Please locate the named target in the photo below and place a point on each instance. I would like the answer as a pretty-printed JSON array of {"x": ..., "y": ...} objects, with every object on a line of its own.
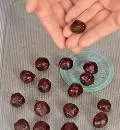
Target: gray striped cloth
[{"x": 22, "y": 40}]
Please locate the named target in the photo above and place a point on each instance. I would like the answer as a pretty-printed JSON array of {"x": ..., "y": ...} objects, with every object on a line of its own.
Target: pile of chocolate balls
[{"x": 70, "y": 110}]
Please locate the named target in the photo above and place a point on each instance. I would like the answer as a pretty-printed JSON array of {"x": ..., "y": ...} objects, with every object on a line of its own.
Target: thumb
[{"x": 31, "y": 5}]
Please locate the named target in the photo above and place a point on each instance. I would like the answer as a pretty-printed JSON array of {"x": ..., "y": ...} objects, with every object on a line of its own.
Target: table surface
[{"x": 22, "y": 40}]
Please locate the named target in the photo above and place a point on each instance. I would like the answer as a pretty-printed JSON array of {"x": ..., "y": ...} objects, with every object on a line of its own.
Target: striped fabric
[{"x": 22, "y": 40}]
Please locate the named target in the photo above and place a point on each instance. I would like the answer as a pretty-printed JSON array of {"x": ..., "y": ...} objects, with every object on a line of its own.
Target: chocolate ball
[
  {"x": 41, "y": 125},
  {"x": 17, "y": 100},
  {"x": 66, "y": 63},
  {"x": 69, "y": 126},
  {"x": 77, "y": 27},
  {"x": 42, "y": 64},
  {"x": 21, "y": 124},
  {"x": 27, "y": 76},
  {"x": 75, "y": 90},
  {"x": 44, "y": 85},
  {"x": 100, "y": 120},
  {"x": 87, "y": 79},
  {"x": 41, "y": 108},
  {"x": 91, "y": 67},
  {"x": 70, "y": 110},
  {"x": 104, "y": 105}
]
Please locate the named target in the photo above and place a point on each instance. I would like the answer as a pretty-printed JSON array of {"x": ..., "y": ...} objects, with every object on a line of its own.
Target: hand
[
  {"x": 102, "y": 17},
  {"x": 52, "y": 15}
]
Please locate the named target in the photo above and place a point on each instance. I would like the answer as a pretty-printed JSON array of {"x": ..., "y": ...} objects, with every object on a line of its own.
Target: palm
[
  {"x": 52, "y": 14},
  {"x": 102, "y": 18}
]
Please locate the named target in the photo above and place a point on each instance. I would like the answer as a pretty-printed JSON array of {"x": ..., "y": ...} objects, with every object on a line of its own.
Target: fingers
[
  {"x": 77, "y": 49},
  {"x": 74, "y": 1},
  {"x": 73, "y": 41},
  {"x": 66, "y": 4},
  {"x": 106, "y": 27},
  {"x": 52, "y": 26},
  {"x": 85, "y": 17},
  {"x": 79, "y": 8},
  {"x": 60, "y": 14},
  {"x": 99, "y": 17},
  {"x": 53, "y": 2},
  {"x": 31, "y": 5}
]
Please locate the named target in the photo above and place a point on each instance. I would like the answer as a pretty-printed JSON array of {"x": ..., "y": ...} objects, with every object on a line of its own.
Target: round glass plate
[{"x": 102, "y": 79}]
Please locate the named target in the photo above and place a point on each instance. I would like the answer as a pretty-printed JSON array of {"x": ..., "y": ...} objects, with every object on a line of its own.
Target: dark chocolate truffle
[
  {"x": 41, "y": 108},
  {"x": 21, "y": 124},
  {"x": 42, "y": 64},
  {"x": 70, "y": 110},
  {"x": 27, "y": 76},
  {"x": 17, "y": 100},
  {"x": 44, "y": 85}
]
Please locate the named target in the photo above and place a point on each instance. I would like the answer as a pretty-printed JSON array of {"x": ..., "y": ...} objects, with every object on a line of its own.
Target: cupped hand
[
  {"x": 52, "y": 15},
  {"x": 102, "y": 17}
]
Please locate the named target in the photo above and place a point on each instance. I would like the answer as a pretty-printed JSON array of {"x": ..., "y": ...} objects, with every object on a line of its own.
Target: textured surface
[{"x": 22, "y": 40}]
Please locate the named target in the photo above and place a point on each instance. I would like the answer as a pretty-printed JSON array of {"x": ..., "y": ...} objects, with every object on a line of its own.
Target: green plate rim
[{"x": 102, "y": 86}]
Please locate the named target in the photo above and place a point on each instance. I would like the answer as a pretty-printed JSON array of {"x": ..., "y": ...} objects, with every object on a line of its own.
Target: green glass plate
[{"x": 102, "y": 79}]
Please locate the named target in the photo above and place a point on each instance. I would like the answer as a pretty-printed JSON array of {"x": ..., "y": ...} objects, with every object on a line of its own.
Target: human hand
[
  {"x": 52, "y": 15},
  {"x": 102, "y": 17}
]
